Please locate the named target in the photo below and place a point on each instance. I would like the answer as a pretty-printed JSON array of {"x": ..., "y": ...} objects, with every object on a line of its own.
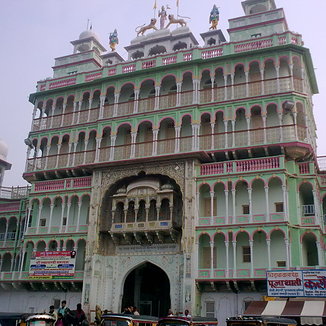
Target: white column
[
  {"x": 179, "y": 88},
  {"x": 232, "y": 86},
  {"x": 212, "y": 82},
  {"x": 68, "y": 213},
  {"x": 226, "y": 242},
  {"x": 285, "y": 203},
  {"x": 196, "y": 83},
  {"x": 250, "y": 205},
  {"x": 226, "y": 192},
  {"x": 288, "y": 254},
  {"x": 268, "y": 243},
  {"x": 50, "y": 219},
  {"x": 212, "y": 258},
  {"x": 97, "y": 149},
  {"x": 133, "y": 144},
  {"x": 225, "y": 88},
  {"x": 233, "y": 135},
  {"x": 233, "y": 207},
  {"x": 6, "y": 234},
  {"x": 78, "y": 216},
  {"x": 157, "y": 97},
  {"x": 321, "y": 260},
  {"x": 212, "y": 133},
  {"x": 136, "y": 100},
  {"x": 63, "y": 206},
  {"x": 64, "y": 106},
  {"x": 248, "y": 129},
  {"x": 116, "y": 104},
  {"x": 281, "y": 126},
  {"x": 278, "y": 79},
  {"x": 39, "y": 217},
  {"x": 52, "y": 114},
  {"x": 291, "y": 79},
  {"x": 251, "y": 244},
  {"x": 212, "y": 206},
  {"x": 177, "y": 139},
  {"x": 262, "y": 82},
  {"x": 267, "y": 203},
  {"x": 89, "y": 108},
  {"x": 264, "y": 126},
  {"x": 234, "y": 243},
  {"x": 316, "y": 204},
  {"x": 225, "y": 133},
  {"x": 102, "y": 101},
  {"x": 113, "y": 139},
  {"x": 155, "y": 135},
  {"x": 58, "y": 155},
  {"x": 247, "y": 83}
]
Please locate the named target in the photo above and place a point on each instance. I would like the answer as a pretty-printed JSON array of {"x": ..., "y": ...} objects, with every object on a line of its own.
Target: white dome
[
  {"x": 87, "y": 34},
  {"x": 3, "y": 150}
]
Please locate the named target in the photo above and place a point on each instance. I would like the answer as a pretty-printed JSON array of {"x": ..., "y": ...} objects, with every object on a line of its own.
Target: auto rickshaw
[{"x": 40, "y": 320}]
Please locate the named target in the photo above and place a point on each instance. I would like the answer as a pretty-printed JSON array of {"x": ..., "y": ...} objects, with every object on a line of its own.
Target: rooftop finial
[
  {"x": 214, "y": 17},
  {"x": 113, "y": 38}
]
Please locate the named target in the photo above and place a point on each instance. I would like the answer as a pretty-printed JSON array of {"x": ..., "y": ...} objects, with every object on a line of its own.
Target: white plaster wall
[
  {"x": 27, "y": 301},
  {"x": 227, "y": 304}
]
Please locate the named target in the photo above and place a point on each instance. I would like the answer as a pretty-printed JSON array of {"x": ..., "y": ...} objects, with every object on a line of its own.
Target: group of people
[
  {"x": 131, "y": 310},
  {"x": 66, "y": 317}
]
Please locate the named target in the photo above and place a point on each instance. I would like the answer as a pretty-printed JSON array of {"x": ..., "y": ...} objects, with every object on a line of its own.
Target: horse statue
[
  {"x": 214, "y": 17},
  {"x": 173, "y": 20},
  {"x": 142, "y": 29},
  {"x": 113, "y": 39}
]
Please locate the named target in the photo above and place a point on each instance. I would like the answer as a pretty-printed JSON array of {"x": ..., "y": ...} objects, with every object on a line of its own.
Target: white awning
[{"x": 274, "y": 308}]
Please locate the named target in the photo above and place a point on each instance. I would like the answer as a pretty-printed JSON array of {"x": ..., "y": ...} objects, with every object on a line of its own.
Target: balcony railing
[
  {"x": 208, "y": 142},
  {"x": 240, "y": 219},
  {"x": 173, "y": 58},
  {"x": 221, "y": 93},
  {"x": 268, "y": 163},
  {"x": 14, "y": 192},
  {"x": 240, "y": 273}
]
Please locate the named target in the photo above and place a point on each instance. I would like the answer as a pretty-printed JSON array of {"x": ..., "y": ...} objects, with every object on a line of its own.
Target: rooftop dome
[
  {"x": 3, "y": 150},
  {"x": 87, "y": 34}
]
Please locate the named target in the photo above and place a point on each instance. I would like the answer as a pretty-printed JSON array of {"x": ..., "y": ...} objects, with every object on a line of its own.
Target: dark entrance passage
[{"x": 148, "y": 288}]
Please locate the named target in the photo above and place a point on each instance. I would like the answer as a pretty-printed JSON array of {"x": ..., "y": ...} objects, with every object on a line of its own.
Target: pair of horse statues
[{"x": 172, "y": 20}]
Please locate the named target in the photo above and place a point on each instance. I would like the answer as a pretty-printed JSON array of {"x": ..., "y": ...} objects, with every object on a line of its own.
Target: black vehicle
[{"x": 185, "y": 321}]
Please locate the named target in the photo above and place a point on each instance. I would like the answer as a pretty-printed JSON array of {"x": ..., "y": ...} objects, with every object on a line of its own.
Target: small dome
[
  {"x": 3, "y": 150},
  {"x": 87, "y": 34}
]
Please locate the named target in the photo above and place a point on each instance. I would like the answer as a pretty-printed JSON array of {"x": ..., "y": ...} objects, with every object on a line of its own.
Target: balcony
[
  {"x": 59, "y": 185},
  {"x": 14, "y": 192},
  {"x": 280, "y": 135},
  {"x": 172, "y": 58},
  {"x": 56, "y": 229},
  {"x": 218, "y": 274},
  {"x": 206, "y": 96},
  {"x": 241, "y": 219},
  {"x": 259, "y": 164}
]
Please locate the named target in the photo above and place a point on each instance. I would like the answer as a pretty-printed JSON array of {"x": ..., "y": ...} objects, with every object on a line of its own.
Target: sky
[{"x": 34, "y": 32}]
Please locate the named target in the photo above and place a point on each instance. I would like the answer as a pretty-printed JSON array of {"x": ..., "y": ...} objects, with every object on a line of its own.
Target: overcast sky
[{"x": 34, "y": 32}]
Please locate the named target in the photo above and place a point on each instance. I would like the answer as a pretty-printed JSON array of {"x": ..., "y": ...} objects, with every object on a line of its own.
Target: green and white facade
[{"x": 179, "y": 176}]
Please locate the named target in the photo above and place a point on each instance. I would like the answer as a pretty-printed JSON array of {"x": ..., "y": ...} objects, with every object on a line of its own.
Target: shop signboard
[
  {"x": 52, "y": 265},
  {"x": 296, "y": 283}
]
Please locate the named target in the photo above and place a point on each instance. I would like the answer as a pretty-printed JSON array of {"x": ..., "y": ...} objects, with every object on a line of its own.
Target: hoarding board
[
  {"x": 296, "y": 283},
  {"x": 52, "y": 265}
]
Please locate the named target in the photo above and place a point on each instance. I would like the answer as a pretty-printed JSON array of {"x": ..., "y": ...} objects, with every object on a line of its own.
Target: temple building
[{"x": 178, "y": 175}]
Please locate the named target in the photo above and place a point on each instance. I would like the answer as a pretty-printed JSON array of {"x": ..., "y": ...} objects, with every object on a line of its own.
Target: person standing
[
  {"x": 65, "y": 312},
  {"x": 79, "y": 315},
  {"x": 53, "y": 313}
]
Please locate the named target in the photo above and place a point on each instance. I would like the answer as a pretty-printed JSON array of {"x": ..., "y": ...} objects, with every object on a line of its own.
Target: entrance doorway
[{"x": 148, "y": 288}]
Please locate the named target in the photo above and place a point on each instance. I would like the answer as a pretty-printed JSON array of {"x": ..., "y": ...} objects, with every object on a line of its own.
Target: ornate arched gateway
[
  {"x": 148, "y": 288},
  {"x": 139, "y": 254}
]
